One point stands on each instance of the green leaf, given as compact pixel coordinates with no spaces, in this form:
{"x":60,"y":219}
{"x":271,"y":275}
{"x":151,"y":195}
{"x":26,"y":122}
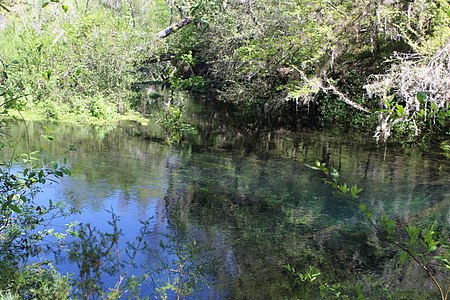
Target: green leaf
{"x":403,"y":256}
{"x":65,"y":7}
{"x":48,"y":137}
{"x":421,"y":113}
{"x":45,"y":4}
{"x":67,"y":171}
{"x":363,"y":208}
{"x":413,"y":233}
{"x":49,"y":74}
{"x":15,"y":208}
{"x":54,"y":165}
{"x":400,"y":109}
{"x":421,"y":96}
{"x":388,"y":101}
{"x":312,"y":167}
{"x":335,"y":175}
{"x":432,"y":248}
{"x":355,"y":191}
{"x":4,"y":7}
{"x":434,"y":106}
{"x":444,"y":261}
{"x":343,"y":189}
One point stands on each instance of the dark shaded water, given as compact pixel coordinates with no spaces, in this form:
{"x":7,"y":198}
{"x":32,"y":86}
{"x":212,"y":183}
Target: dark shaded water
{"x":248,"y":201}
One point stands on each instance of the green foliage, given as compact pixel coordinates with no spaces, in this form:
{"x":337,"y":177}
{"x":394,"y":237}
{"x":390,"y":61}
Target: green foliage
{"x":11,"y":86}
{"x":342,"y":188}
{"x":73,"y":63}
{"x":94,"y":252}
{"x":35,"y":281}
{"x":445,"y":146}
{"x":194,"y":83}
{"x":420,"y":118}
{"x":313,"y":276}
{"x":16,"y":206}
{"x":24,"y":227}
{"x":100,"y":109}
{"x":309,"y":276}
{"x":321,"y":167}
{"x":98,"y":253}
{"x":321,"y":55}
{"x":426,"y":27}
{"x":173,"y":124}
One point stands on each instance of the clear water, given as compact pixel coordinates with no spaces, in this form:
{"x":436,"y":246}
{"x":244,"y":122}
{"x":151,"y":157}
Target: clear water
{"x":249,"y":202}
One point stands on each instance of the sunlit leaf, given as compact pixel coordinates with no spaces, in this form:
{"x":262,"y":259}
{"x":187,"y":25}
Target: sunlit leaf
{"x":434,"y":106}
{"x":363,"y":208}
{"x":403,"y":256}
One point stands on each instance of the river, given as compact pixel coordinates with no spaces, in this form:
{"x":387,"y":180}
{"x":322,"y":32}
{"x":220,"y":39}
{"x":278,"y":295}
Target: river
{"x":243,"y":205}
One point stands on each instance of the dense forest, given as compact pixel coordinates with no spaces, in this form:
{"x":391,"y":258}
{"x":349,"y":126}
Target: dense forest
{"x":379,"y":67}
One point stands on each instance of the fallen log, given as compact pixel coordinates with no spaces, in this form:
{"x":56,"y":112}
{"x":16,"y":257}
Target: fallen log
{"x":174,"y":27}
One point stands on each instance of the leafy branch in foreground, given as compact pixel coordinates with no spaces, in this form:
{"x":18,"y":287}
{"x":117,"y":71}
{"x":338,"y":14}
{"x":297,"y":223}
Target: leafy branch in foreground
{"x":98,"y":254}
{"x":25,"y":226}
{"x":184,"y":262}
{"x":428,"y":247}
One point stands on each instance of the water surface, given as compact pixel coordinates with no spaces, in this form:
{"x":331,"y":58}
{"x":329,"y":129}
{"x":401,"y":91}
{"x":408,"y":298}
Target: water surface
{"x":248,"y":201}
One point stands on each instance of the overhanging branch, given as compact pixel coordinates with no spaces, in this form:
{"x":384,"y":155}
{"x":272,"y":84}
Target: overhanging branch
{"x":174,"y":27}
{"x":342,"y":97}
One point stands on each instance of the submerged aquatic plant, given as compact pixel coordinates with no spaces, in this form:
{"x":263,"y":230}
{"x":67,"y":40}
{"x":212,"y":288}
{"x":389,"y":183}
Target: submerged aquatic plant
{"x":428,"y":247}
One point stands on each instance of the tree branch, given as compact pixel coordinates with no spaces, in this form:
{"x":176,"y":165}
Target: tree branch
{"x":174,"y":27}
{"x":344,"y":98}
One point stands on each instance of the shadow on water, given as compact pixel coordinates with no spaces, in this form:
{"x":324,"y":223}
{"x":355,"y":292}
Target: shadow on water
{"x":246,"y":195}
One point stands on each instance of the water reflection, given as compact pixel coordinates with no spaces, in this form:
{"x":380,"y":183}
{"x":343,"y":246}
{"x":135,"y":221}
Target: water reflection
{"x":259,"y":208}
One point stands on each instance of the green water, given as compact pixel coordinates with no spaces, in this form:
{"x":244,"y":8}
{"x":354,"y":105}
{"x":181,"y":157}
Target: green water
{"x":249,"y":202}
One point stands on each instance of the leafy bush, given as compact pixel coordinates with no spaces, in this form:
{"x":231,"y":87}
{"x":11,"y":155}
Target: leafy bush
{"x":99,"y":108}
{"x":65,"y":52}
{"x":23,"y":228}
{"x":34,"y":281}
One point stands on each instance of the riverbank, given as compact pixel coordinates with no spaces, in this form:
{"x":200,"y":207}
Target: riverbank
{"x":77,"y":119}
